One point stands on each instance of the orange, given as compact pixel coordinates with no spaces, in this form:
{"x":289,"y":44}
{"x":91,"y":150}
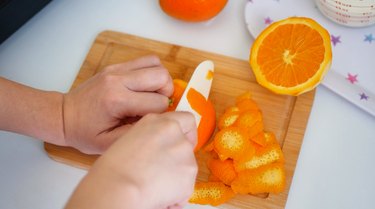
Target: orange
{"x":291,"y":56}
{"x":202,"y":106}
{"x":192,"y":10}
{"x":179,"y":88}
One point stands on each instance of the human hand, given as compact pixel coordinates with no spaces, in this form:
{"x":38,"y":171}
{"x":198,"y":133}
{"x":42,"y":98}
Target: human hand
{"x":152,"y":166}
{"x":100,"y":110}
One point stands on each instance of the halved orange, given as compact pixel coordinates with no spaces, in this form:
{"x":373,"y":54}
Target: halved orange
{"x":291,"y":56}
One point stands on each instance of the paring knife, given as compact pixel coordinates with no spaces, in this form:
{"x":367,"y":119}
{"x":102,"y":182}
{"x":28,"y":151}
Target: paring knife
{"x":201,"y":81}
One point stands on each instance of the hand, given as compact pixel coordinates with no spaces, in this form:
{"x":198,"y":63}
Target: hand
{"x":99,"y":111}
{"x":151,"y":166}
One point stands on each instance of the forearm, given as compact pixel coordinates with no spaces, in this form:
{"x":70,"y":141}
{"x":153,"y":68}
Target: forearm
{"x":101,"y":189}
{"x":31,"y":112}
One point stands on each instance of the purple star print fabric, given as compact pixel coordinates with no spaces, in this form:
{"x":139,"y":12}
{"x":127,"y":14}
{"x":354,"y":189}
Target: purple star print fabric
{"x":353,"y":48}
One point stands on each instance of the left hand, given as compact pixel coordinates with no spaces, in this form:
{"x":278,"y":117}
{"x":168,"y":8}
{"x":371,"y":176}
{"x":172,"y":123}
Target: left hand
{"x":104,"y":107}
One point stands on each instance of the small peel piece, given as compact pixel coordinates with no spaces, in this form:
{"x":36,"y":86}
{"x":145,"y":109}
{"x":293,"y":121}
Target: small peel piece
{"x":212,"y":193}
{"x":231,"y":142}
{"x":223,"y":170}
{"x":263,"y":156}
{"x":269,"y":178}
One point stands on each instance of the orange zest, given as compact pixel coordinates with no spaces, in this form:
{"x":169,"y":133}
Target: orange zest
{"x":213,"y":178}
{"x":262,"y":156}
{"x":228,"y":119}
{"x":243,"y":157}
{"x":291,"y":56}
{"x":244,"y":96}
{"x":248,"y":119}
{"x":192,"y":10}
{"x":210,"y":75}
{"x":223,"y":170}
{"x":213,"y":193}
{"x":206,"y":109}
{"x":270,"y":138}
{"x":202,"y":106}
{"x":255,"y":129}
{"x":260,"y":139}
{"x":246,"y":104}
{"x":231,"y":142}
{"x":268,"y":178}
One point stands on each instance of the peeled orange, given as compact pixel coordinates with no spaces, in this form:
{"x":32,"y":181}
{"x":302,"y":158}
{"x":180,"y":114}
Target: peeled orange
{"x":192,"y":10}
{"x":291,"y":56}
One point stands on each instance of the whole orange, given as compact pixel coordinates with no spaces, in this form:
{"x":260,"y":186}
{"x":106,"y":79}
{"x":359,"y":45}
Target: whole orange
{"x":192,"y":10}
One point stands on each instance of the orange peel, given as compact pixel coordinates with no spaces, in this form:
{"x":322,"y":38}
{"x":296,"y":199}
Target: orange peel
{"x":212,"y":193}
{"x":269,"y":178}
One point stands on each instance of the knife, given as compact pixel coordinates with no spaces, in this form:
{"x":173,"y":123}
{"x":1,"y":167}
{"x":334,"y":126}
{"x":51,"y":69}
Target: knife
{"x":201,"y":81}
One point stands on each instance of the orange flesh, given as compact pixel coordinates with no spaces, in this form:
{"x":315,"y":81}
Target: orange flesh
{"x":288,"y":60}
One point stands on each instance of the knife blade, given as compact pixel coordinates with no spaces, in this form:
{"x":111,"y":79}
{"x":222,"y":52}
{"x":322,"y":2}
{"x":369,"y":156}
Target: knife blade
{"x":201,"y":81}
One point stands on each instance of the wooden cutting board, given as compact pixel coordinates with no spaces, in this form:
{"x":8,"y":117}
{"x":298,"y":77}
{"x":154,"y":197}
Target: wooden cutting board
{"x":286,"y":116}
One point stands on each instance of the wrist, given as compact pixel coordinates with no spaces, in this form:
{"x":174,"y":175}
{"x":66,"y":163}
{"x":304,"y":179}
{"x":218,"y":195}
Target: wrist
{"x":53,"y":120}
{"x":108,"y":189}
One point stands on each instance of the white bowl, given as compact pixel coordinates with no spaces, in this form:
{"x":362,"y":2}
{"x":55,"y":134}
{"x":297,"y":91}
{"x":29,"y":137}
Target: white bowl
{"x":352,"y":13}
{"x":354,"y":3}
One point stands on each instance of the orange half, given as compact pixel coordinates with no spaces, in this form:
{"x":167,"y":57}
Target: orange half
{"x":291,"y":56}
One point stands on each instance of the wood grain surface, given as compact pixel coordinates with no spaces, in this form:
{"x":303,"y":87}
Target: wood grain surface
{"x":286,"y":116}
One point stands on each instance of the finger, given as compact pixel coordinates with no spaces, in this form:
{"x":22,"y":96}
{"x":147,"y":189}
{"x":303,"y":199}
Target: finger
{"x":107,"y":138}
{"x":155,"y":79}
{"x":142,"y":103}
{"x":187,"y":124}
{"x":139,"y":63}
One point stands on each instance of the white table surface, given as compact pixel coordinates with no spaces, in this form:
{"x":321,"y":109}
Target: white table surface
{"x":336,"y":166}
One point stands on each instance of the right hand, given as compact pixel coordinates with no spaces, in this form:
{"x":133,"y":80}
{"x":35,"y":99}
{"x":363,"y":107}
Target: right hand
{"x":153,"y":163}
